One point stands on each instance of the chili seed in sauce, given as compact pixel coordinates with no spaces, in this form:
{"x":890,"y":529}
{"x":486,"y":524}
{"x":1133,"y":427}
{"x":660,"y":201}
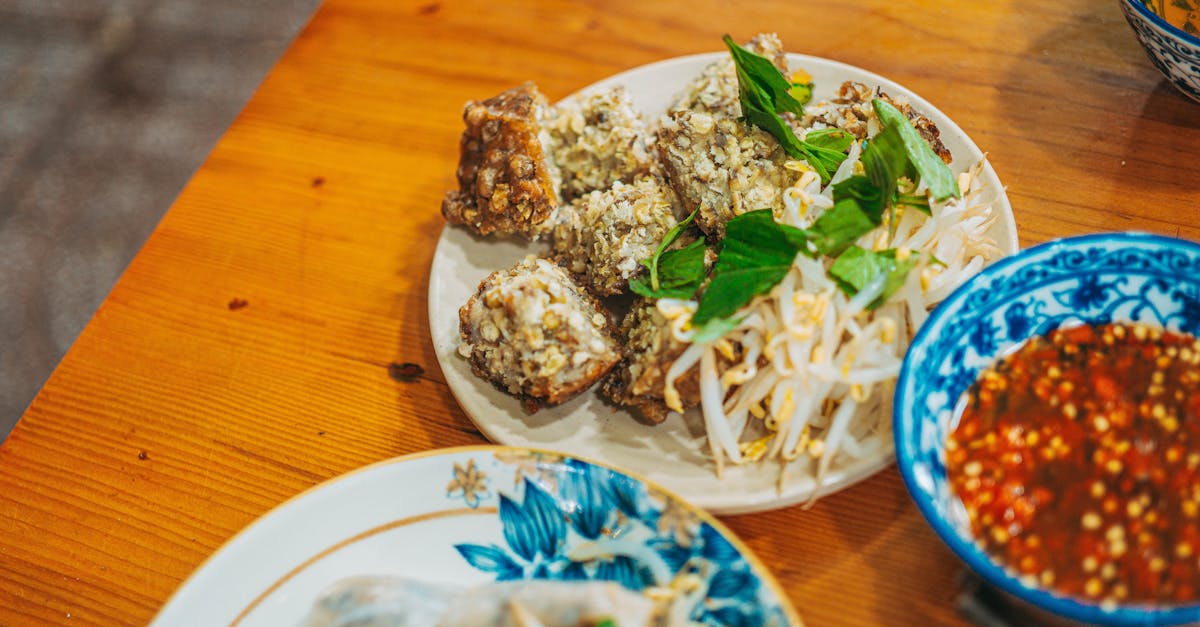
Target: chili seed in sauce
{"x":1077,"y":459}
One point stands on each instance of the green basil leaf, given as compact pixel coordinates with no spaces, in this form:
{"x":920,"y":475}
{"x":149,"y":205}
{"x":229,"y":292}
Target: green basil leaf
{"x":734,"y":289}
{"x":830,"y":138}
{"x":857,"y":267}
{"x":762,"y":73}
{"x":668,"y":239}
{"x":822,"y":160}
{"x":675,"y":273}
{"x":773,"y":124}
{"x":754,"y":239}
{"x":936,"y":174}
{"x":756,"y":254}
{"x":840,"y":226}
{"x":860,"y":189}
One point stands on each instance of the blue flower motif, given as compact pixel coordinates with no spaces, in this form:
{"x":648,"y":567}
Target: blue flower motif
{"x":1090,"y":294}
{"x":1018,"y":323}
{"x":733,"y":584}
{"x":716,"y":548}
{"x":593,"y":523}
{"x":624,"y":571}
{"x":491,"y":559}
{"x":1189,"y":312}
{"x":983,"y":337}
{"x":535,"y":527}
{"x":586,"y":497}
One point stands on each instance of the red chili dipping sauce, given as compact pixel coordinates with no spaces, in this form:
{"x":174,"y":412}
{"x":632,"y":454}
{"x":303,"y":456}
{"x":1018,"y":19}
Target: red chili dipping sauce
{"x":1078,"y":461}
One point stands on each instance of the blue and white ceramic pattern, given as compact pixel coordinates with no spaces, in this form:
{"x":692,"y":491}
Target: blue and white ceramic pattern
{"x":468,"y":516}
{"x":565,"y":519}
{"x":1095,"y":279}
{"x":1174,"y":52}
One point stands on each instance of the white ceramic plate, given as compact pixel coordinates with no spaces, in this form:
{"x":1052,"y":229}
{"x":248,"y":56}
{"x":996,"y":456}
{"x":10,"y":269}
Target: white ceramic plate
{"x":673,"y":453}
{"x":468,"y":516}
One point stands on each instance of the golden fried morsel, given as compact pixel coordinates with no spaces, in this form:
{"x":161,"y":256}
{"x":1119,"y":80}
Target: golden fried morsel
{"x":507,"y":182}
{"x":639,"y":380}
{"x":605,"y":234}
{"x":722,"y":165}
{"x":852,"y":112}
{"x":597,"y":140}
{"x":535,"y":334}
{"x":716,"y":89}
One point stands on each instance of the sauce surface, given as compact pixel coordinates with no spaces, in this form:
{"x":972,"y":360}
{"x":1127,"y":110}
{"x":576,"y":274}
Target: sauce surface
{"x":1183,"y":14}
{"x":1078,"y":461}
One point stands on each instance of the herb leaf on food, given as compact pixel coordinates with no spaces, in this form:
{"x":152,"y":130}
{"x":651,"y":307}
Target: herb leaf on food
{"x":764,"y":77}
{"x":840,"y":226}
{"x":673,"y":272}
{"x":680,"y":272}
{"x":858,"y":267}
{"x":756,"y":254}
{"x":765,"y":93}
{"x":831,"y":138}
{"x":930,"y":167}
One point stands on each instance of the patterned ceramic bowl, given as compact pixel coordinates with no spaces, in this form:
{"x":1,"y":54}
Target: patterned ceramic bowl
{"x":1096,"y":279}
{"x":1173,"y":51}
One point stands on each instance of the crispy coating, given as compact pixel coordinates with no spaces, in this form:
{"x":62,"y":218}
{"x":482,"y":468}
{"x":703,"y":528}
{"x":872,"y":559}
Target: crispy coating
{"x":852,"y":112}
{"x":507,"y":182}
{"x":535,"y":334}
{"x":639,"y":380}
{"x":605,"y":234}
{"x":715,"y":161}
{"x":723,"y":165}
{"x":596,"y":141}
{"x":716,"y":89}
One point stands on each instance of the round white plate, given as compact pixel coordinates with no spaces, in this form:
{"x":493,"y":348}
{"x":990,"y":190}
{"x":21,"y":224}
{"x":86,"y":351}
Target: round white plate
{"x":472,"y":515}
{"x":673,"y":453}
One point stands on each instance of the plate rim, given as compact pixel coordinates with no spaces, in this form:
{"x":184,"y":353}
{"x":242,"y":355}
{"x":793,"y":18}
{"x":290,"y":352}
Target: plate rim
{"x":747,"y":503}
{"x":764,"y":573}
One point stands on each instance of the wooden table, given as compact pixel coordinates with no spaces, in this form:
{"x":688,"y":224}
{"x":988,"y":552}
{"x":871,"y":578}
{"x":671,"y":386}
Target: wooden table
{"x":243,"y":357}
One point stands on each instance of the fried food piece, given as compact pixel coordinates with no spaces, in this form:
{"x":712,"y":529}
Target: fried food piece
{"x":723,"y":165}
{"x":716,"y":161}
{"x":605,"y":234}
{"x":535,"y":334}
{"x":507,"y":181}
{"x":716,"y":89}
{"x":852,"y":112}
{"x":640,"y":379}
{"x":596,"y":141}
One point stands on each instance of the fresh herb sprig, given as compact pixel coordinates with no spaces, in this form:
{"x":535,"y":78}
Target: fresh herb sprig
{"x":765,"y":93}
{"x":675,"y":273}
{"x":758,"y":252}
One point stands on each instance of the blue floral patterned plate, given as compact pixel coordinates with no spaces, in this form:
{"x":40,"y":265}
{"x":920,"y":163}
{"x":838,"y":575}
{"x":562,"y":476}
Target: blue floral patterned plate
{"x":1095,"y":279}
{"x":471,"y":515}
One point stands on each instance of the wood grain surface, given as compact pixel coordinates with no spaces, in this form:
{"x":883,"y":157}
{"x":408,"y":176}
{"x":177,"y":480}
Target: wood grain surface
{"x":243,"y":357}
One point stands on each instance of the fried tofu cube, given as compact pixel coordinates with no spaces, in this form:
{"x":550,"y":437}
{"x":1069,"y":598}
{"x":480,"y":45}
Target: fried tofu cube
{"x":604,"y":236}
{"x":597,"y":140}
{"x":723,"y":166}
{"x":533,"y":332}
{"x":639,"y":380}
{"x":508,"y":182}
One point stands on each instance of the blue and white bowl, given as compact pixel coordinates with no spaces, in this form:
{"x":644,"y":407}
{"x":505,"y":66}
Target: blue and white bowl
{"x":1174,"y":52}
{"x":1094,"y":279}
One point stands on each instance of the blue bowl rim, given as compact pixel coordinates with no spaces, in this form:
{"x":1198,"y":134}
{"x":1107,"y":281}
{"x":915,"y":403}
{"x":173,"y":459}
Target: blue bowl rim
{"x":1162,"y":23}
{"x":967,"y":551}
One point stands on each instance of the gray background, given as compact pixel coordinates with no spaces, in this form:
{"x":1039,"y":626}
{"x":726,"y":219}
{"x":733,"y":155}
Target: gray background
{"x":106,"y":109}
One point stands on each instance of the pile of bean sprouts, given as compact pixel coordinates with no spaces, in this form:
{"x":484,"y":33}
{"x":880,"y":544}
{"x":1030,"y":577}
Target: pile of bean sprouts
{"x":814,"y":369}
